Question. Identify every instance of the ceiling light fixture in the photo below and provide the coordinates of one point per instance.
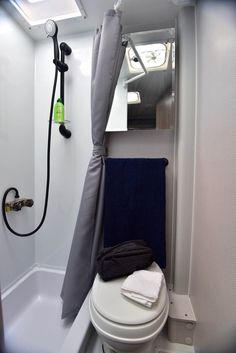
(134, 98)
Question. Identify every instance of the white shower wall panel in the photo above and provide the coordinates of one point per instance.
(185, 138)
(16, 143)
(213, 275)
(69, 158)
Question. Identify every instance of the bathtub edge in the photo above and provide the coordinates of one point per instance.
(79, 332)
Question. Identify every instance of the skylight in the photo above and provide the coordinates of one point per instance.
(154, 56)
(36, 12)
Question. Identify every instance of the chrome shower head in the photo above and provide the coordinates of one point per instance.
(51, 28)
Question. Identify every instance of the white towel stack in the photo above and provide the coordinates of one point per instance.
(143, 287)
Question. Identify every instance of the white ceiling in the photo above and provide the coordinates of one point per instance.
(137, 15)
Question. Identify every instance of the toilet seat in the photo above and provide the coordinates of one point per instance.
(118, 318)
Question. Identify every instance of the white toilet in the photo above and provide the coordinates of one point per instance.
(123, 325)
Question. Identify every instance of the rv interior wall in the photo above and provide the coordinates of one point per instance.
(69, 158)
(213, 276)
(16, 143)
(1, 329)
(185, 140)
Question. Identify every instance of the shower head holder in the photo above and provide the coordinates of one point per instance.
(62, 67)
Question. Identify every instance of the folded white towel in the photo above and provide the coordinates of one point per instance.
(143, 287)
(138, 299)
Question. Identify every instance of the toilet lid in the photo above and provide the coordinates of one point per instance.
(111, 304)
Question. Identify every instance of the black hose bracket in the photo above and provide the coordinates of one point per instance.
(65, 51)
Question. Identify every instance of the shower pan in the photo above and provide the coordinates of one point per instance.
(32, 316)
(33, 306)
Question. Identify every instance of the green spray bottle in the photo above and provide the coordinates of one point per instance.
(59, 112)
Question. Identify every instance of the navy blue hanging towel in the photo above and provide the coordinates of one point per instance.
(134, 203)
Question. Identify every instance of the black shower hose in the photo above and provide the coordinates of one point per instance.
(48, 173)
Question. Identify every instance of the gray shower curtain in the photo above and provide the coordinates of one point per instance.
(107, 58)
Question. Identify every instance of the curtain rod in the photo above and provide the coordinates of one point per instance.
(117, 6)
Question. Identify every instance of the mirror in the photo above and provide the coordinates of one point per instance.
(145, 100)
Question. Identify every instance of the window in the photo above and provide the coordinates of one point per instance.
(154, 56)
